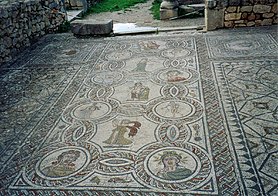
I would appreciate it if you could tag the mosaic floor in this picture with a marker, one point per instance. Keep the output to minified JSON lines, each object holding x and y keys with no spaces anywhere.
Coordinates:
{"x":167,"y":114}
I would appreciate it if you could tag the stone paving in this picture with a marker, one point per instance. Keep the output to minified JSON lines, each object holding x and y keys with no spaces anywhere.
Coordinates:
{"x":177,"y":113}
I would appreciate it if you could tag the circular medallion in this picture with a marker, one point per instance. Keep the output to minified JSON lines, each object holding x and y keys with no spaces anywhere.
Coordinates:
{"x":168,"y":110}
{"x":118,"y":55}
{"x":90,"y":111}
{"x":175,"y":168}
{"x":175,"y":76}
{"x":173,"y":109}
{"x":105,"y":78}
{"x":63,"y":163}
{"x":172,"y":164}
{"x":176,"y":53}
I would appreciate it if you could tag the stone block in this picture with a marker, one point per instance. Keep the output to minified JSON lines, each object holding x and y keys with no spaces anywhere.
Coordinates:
{"x":240,"y":25}
{"x":258,"y":16}
{"x":268,"y":15}
{"x":274,"y":8}
{"x":246,"y":8}
{"x":231,"y":9}
{"x":244,"y":15}
{"x":166,"y":14}
{"x":91,"y":27}
{"x":229,"y":24}
{"x":261,"y":8}
{"x":251,"y":23}
{"x":169,"y":5}
{"x":258,"y":22}
{"x":233,"y":16}
{"x":251,"y":17}
{"x":266,"y":22}
{"x":216,"y":18}
{"x":239,"y":21}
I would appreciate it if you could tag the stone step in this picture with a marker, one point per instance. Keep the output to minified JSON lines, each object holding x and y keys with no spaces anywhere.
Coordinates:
{"x":92,"y":27}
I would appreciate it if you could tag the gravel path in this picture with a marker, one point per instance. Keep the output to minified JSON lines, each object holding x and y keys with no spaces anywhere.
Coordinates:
{"x":140,"y":14}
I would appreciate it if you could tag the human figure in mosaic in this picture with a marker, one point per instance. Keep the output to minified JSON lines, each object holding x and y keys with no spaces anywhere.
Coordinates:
{"x":172,"y":169}
{"x":118,"y":135}
{"x":64,"y":164}
{"x":173,"y":108}
{"x":175,"y":76}
{"x":139,"y":92}
{"x":141,"y":66}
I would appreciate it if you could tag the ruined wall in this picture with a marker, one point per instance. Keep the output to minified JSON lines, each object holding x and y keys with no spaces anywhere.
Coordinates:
{"x":250,"y":15}
{"x":24,"y":21}
{"x":240,"y":13}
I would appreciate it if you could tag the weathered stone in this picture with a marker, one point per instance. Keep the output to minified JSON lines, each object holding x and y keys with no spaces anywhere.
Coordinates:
{"x":274,"y":8}
{"x":246,"y":8}
{"x":239,"y":21}
{"x":275,"y":21}
{"x":267,"y":22}
{"x":166,"y":4}
{"x":251,"y":17}
{"x":251,"y":23}
{"x":229,"y":24}
{"x":258,"y":16}
{"x":166,"y":14}
{"x":216,"y":18}
{"x":244,"y":15}
{"x":261,"y":8}
{"x":83,"y":27}
{"x":233,"y":16}
{"x":240,"y":25}
{"x":258,"y":22}
{"x":231,"y":9}
{"x":268,"y":15}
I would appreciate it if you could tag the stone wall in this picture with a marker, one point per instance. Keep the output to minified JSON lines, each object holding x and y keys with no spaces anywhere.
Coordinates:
{"x":24,"y":21}
{"x":250,"y":15}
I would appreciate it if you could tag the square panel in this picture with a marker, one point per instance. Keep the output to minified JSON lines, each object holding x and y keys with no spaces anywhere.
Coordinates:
{"x":221,"y":46}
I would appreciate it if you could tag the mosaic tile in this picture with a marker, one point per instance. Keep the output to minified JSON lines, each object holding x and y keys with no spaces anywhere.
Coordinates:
{"x":152,"y":115}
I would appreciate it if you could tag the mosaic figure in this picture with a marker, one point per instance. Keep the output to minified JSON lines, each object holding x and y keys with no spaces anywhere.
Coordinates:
{"x":172,"y":169}
{"x":149,"y":45}
{"x":64,"y":164}
{"x":173,"y":108}
{"x":88,"y":111}
{"x":141,"y":66}
{"x":139,"y":92}
{"x":118,"y":135}
{"x":175,"y":76}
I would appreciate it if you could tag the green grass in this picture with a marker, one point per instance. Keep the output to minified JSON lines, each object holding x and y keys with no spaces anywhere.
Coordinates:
{"x":155,"y":9}
{"x":113,"y":5}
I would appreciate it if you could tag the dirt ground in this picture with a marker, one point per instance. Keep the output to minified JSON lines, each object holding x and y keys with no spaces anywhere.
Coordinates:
{"x":140,"y":14}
